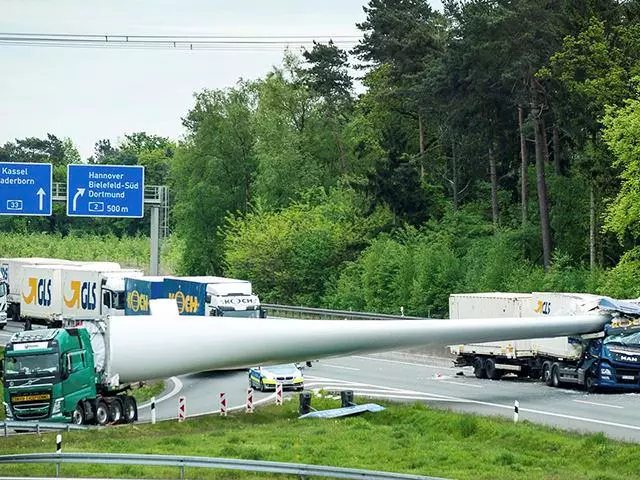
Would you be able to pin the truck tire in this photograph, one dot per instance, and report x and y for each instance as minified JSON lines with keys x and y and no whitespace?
{"x":589,"y":382}
{"x":115,"y":411}
{"x":478,"y":368}
{"x":555,"y":375}
{"x":490,"y":367}
{"x":263,"y":388}
{"x":78,"y":416}
{"x":102,"y":413}
{"x":546,"y":373}
{"x":130,"y":409}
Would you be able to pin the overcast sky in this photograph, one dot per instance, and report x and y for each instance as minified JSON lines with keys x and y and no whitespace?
{"x":91,"y":93}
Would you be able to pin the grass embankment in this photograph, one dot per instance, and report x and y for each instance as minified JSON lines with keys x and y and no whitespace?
{"x":145,"y":391}
{"x":410,"y":439}
{"x":131,"y":252}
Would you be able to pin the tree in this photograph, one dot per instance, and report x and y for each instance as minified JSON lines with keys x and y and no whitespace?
{"x":327,"y":77}
{"x":293,"y":150}
{"x":621,"y":135}
{"x":212,"y":172}
{"x":593,"y":69}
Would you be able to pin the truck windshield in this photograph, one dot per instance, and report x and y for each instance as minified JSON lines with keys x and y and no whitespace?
{"x":629,"y":338}
{"x":31,"y":364}
{"x":118,"y":300}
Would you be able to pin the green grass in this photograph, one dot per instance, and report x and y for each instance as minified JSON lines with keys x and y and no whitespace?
{"x":147,"y":390}
{"x":131,"y":252}
{"x":410,"y":439}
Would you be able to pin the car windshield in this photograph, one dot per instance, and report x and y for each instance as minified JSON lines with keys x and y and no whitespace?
{"x":628,"y":339}
{"x":287,"y":368}
{"x":31,"y":364}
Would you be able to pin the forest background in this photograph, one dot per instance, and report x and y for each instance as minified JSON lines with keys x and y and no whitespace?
{"x":494,"y":147}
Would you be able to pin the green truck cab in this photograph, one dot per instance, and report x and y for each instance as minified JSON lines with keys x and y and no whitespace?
{"x":50,"y":374}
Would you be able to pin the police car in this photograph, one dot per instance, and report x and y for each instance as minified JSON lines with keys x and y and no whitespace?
{"x":266,"y":378}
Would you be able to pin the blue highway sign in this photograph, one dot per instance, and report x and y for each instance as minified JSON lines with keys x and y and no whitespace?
{"x":25,"y":188}
{"x":105,"y":191}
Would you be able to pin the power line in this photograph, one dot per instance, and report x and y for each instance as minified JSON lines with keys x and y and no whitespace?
{"x":182,"y":42}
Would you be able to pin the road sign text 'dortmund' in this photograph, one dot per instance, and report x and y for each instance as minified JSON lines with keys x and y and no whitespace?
{"x":105,"y":191}
{"x":25,"y":188}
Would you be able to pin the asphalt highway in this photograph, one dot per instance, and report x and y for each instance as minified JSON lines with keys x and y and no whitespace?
{"x":408,"y":377}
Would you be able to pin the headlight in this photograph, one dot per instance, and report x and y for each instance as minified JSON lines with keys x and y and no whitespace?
{"x":57,"y":406}
{"x":605,"y":372}
{"x":7,"y":410}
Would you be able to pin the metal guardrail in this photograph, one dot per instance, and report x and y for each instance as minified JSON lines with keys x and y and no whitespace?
{"x":341,"y":314}
{"x":38,"y":426}
{"x":180,"y":462}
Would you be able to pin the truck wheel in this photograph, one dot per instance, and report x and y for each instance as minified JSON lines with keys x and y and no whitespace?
{"x":262,"y":387}
{"x":490,"y":367}
{"x":116,"y":410}
{"x":589,"y":382}
{"x":78,"y":416}
{"x":102,"y":413}
{"x":555,"y":375}
{"x":478,"y":368}
{"x":130,"y":409}
{"x":546,"y":373}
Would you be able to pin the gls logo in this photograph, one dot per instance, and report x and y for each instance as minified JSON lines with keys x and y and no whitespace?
{"x":543,"y":307}
{"x":83,"y":295}
{"x":4,"y":271}
{"x":39,"y":291}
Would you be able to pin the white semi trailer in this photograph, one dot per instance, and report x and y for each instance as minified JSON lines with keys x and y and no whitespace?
{"x":50,"y":292}
{"x":608,"y":358}
{"x":12,"y":270}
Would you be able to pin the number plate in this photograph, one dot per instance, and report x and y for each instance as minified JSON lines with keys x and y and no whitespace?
{"x":31,"y":398}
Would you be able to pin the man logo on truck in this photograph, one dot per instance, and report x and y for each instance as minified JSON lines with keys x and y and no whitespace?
{"x":543,"y":307}
{"x":83,"y":295}
{"x":39,"y":291}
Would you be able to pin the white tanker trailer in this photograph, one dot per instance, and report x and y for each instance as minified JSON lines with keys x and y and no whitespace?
{"x":82,"y":372}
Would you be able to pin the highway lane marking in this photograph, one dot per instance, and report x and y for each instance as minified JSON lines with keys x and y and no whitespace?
{"x":177,"y":386}
{"x":339,"y":366}
{"x":510,"y":407}
{"x":458,"y":383}
{"x":405,"y":363}
{"x":599,"y":404}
